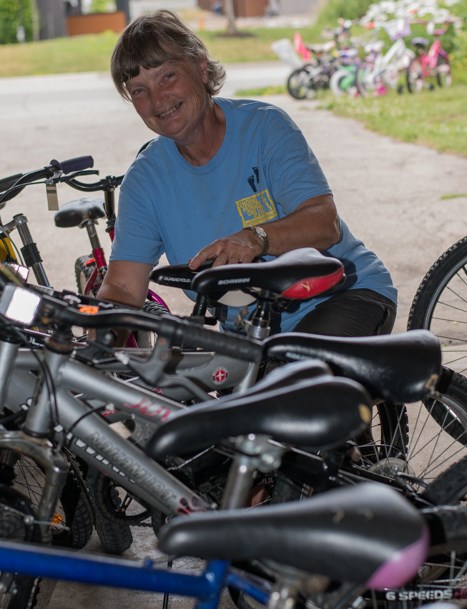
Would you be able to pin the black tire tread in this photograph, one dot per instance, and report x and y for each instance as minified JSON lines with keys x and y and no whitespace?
{"x":440,"y":270}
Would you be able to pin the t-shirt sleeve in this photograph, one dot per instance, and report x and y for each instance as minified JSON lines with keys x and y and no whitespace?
{"x":293,"y":170}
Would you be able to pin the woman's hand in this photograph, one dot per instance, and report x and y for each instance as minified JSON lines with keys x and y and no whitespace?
{"x":243,"y":246}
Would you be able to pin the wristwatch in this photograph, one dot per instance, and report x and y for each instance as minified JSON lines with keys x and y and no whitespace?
{"x":262,"y":234}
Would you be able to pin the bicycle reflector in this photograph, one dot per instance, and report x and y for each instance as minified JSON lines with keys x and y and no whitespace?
{"x":19,"y":304}
{"x":313,"y":286}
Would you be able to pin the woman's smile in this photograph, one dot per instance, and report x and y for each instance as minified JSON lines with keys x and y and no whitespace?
{"x":167,"y":113}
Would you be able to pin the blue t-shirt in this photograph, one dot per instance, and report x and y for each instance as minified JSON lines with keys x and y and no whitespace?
{"x":263,"y":170}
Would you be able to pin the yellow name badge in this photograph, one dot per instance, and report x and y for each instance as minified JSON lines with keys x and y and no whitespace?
{"x":257,"y":208}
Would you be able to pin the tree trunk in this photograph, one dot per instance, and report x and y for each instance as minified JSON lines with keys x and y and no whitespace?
{"x":230,"y":14}
{"x":51,"y":17}
{"x":124,"y":5}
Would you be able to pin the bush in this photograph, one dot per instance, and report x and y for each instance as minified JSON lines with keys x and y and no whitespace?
{"x":346,"y":9}
{"x":16,"y":21}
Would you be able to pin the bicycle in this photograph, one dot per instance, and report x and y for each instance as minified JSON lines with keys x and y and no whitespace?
{"x":21,"y":388}
{"x":398,"y":530}
{"x":194,"y":437}
{"x":28,"y":255}
{"x":380,"y":71}
{"x":82,"y":213}
{"x":431,"y":63}
{"x":258,"y":449}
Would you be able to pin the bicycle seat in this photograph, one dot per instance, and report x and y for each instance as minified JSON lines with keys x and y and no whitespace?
{"x":420,"y":42}
{"x":367,"y":534}
{"x":320,"y":412}
{"x":299,"y":274}
{"x":177,"y":275}
{"x":79,"y":211}
{"x":399,"y":367}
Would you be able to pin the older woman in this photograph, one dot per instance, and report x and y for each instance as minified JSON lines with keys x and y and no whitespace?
{"x":229,"y":180}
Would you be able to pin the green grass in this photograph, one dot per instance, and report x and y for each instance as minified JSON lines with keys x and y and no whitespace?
{"x":434,"y":118}
{"x":91,"y":53}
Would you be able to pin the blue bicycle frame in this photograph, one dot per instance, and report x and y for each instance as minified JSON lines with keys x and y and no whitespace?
{"x":205,"y":587}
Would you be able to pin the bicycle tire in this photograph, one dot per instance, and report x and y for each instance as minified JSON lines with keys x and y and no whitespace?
{"x":440,"y":304}
{"x":414,"y":76}
{"x":83,"y":271}
{"x":443,"y":72}
{"x":73,"y":520}
{"x":114,"y":535}
{"x":299,"y":84}
{"x":21,"y":590}
{"x":364,"y":79}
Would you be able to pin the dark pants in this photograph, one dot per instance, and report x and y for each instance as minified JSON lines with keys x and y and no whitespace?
{"x":351,"y":313}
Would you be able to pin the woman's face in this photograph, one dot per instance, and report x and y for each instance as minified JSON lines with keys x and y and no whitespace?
{"x":171,"y":99}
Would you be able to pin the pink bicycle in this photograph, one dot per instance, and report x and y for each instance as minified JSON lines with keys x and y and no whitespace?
{"x":90,"y":269}
{"x":431,"y":63}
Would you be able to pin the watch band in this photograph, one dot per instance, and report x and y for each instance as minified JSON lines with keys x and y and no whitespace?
{"x":262,"y":234}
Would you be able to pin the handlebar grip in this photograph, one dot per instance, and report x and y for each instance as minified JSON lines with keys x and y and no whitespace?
{"x":238,"y":347}
{"x":76,"y":164}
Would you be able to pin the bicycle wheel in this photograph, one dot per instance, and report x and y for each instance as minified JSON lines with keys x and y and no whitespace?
{"x":365,"y":79}
{"x":415,"y":76}
{"x":84,"y":267}
{"x":443,"y":72}
{"x":72,"y":523}
{"x":17,"y":523}
{"x":343,"y":81}
{"x":299,"y":84}
{"x":440,"y":305}
{"x":443,"y":574}
{"x":417,"y":444}
{"x":446,"y":572}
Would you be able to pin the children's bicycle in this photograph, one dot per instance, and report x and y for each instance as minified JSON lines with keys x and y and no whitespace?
{"x":326,"y":551}
{"x":431,"y":63}
{"x":153,"y":488}
{"x":380,"y":70}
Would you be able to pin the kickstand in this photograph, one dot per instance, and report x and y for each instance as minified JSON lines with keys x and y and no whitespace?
{"x":166,"y":598}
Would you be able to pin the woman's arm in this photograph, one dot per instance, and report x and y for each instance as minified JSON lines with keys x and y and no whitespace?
{"x":314,"y":223}
{"x":126,"y":283}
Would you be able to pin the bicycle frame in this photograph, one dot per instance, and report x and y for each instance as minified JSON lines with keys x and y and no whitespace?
{"x":429,"y":59}
{"x":205,"y":587}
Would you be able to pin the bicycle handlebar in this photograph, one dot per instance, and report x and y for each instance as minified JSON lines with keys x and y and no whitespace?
{"x":13,"y":185}
{"x":27,"y":306}
{"x":108,"y":183}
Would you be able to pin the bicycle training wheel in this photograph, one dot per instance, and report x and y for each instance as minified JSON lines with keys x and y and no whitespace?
{"x":365,"y":79}
{"x":17,"y":523}
{"x":440,"y":305}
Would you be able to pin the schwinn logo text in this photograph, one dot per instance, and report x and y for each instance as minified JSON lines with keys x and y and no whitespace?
{"x":148,"y":409}
{"x":233,"y":281}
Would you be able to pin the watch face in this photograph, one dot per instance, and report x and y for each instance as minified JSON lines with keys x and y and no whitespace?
{"x":260,"y":232}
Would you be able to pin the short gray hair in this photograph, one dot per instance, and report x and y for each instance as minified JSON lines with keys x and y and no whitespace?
{"x":151,"y":40}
